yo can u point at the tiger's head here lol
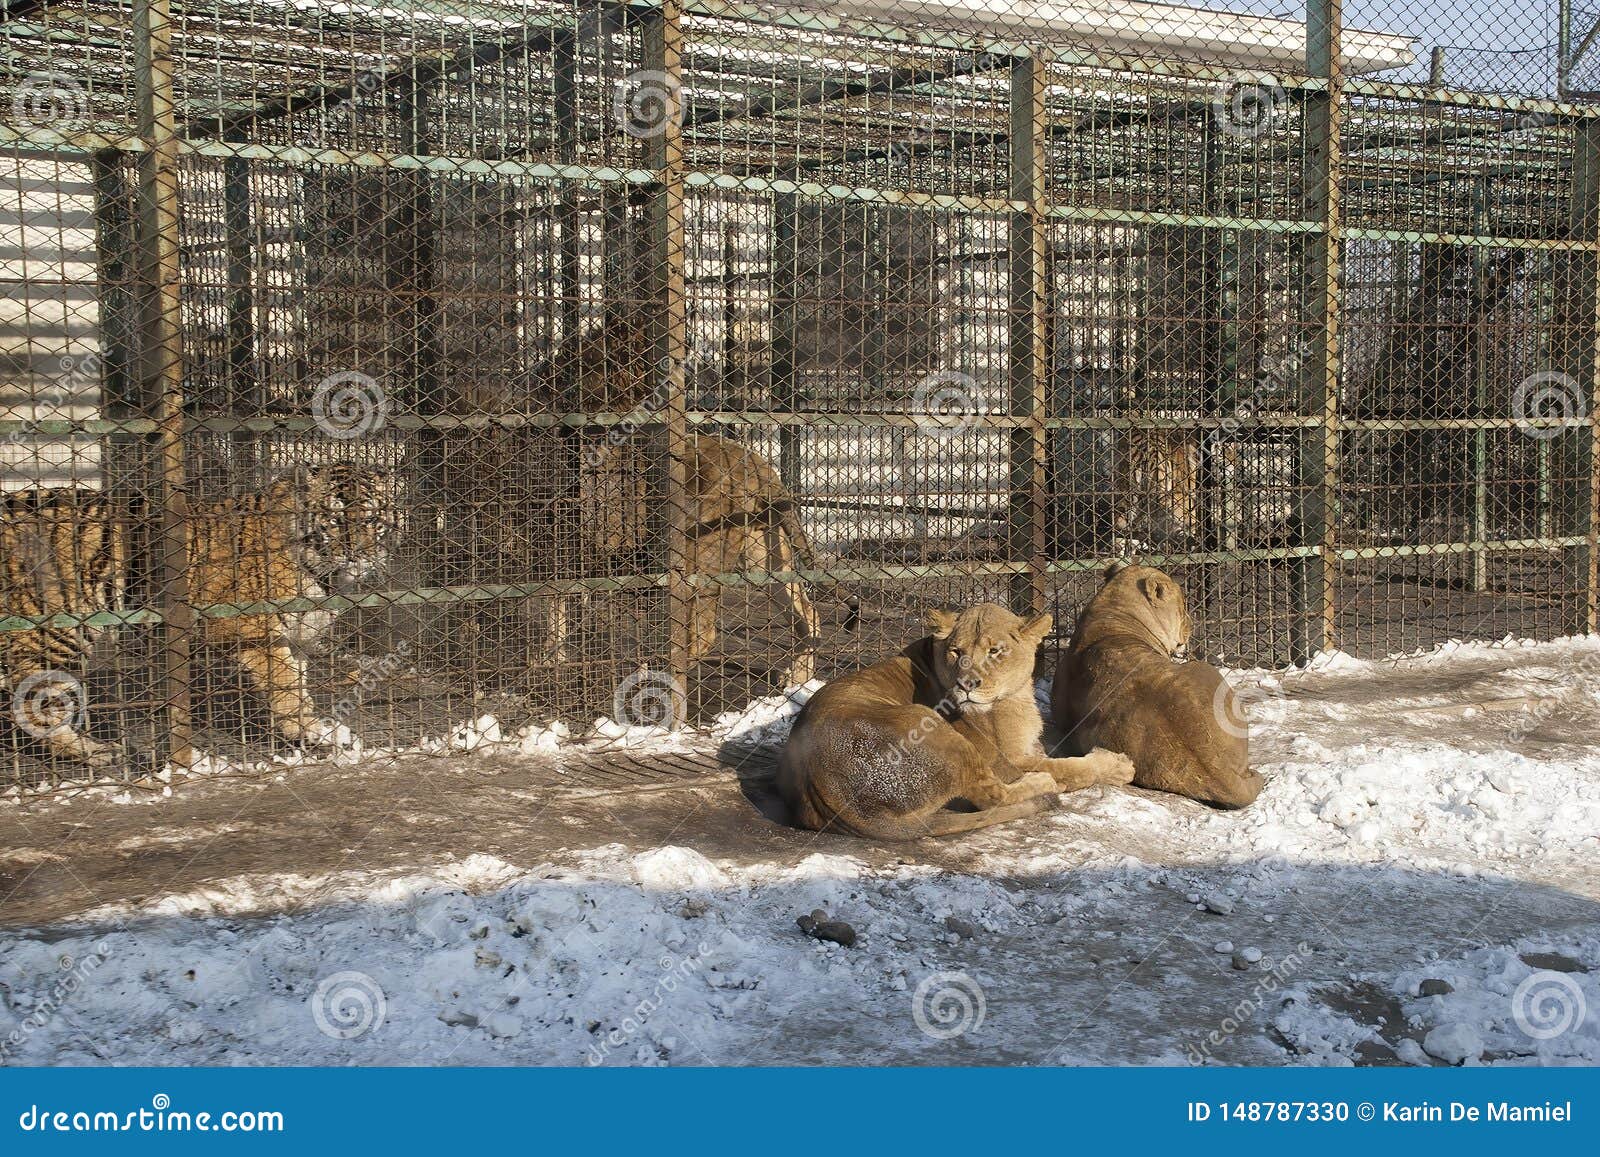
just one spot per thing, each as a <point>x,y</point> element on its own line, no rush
<point>347,519</point>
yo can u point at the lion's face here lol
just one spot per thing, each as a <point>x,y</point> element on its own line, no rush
<point>1155,598</point>
<point>985,654</point>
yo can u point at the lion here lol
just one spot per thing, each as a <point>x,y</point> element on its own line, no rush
<point>738,514</point>
<point>1118,687</point>
<point>881,752</point>
<point>741,517</point>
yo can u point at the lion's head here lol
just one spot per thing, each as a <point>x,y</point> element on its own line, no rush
<point>985,654</point>
<point>1153,598</point>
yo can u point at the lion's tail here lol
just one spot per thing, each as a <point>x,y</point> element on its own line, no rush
<point>808,809</point>
<point>789,522</point>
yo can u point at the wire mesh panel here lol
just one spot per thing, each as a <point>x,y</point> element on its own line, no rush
<point>405,376</point>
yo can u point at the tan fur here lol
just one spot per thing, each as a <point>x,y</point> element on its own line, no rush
<point>739,517</point>
<point>1118,687</point>
<point>880,752</point>
<point>65,552</point>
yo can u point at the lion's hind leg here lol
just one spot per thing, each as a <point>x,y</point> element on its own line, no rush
<point>778,554</point>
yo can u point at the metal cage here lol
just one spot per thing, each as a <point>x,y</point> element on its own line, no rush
<point>701,346</point>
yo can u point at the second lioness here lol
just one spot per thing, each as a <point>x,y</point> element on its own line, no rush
<point>1117,686</point>
<point>880,752</point>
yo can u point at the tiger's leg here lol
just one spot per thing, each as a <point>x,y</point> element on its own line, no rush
<point>702,625</point>
<point>803,618</point>
<point>50,706</point>
<point>282,679</point>
<point>556,628</point>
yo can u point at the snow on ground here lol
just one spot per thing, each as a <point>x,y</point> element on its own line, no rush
<point>1414,886</point>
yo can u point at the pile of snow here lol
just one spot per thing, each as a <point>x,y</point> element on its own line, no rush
<point>644,955</point>
<point>1535,1002</point>
<point>620,958</point>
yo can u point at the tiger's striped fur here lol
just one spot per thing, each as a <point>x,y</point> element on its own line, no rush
<point>1157,483</point>
<point>311,532</point>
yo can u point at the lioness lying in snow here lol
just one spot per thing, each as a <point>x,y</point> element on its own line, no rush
<point>1117,687</point>
<point>880,752</point>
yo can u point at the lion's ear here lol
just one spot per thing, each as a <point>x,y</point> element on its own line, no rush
<point>1112,571</point>
<point>940,623</point>
<point>1154,589</point>
<point>1036,628</point>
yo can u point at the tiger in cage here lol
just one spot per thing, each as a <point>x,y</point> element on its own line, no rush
<point>1157,480</point>
<point>312,531</point>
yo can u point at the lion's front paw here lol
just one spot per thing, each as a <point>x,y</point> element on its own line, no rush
<point>1035,783</point>
<point>1112,766</point>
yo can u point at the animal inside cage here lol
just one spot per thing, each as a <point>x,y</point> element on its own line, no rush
<point>374,370</point>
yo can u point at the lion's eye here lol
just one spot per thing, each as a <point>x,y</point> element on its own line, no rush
<point>995,652</point>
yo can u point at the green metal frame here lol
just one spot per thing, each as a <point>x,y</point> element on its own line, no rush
<point>159,145</point>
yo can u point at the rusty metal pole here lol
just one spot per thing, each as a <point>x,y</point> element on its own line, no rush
<point>663,52</point>
<point>244,382</point>
<point>1580,307</point>
<point>1028,360</point>
<point>160,364</point>
<point>1314,576</point>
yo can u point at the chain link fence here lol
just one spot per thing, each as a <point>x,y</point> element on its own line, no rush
<point>432,372</point>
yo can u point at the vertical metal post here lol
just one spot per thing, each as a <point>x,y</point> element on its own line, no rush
<point>115,257</point>
<point>663,52</point>
<point>1314,575</point>
<point>1563,46</point>
<point>419,257</point>
<point>160,365</point>
<point>1481,333</point>
<point>1219,315</point>
<point>568,291</point>
<point>1582,329</point>
<point>244,385</point>
<point>785,309</point>
<point>1028,361</point>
